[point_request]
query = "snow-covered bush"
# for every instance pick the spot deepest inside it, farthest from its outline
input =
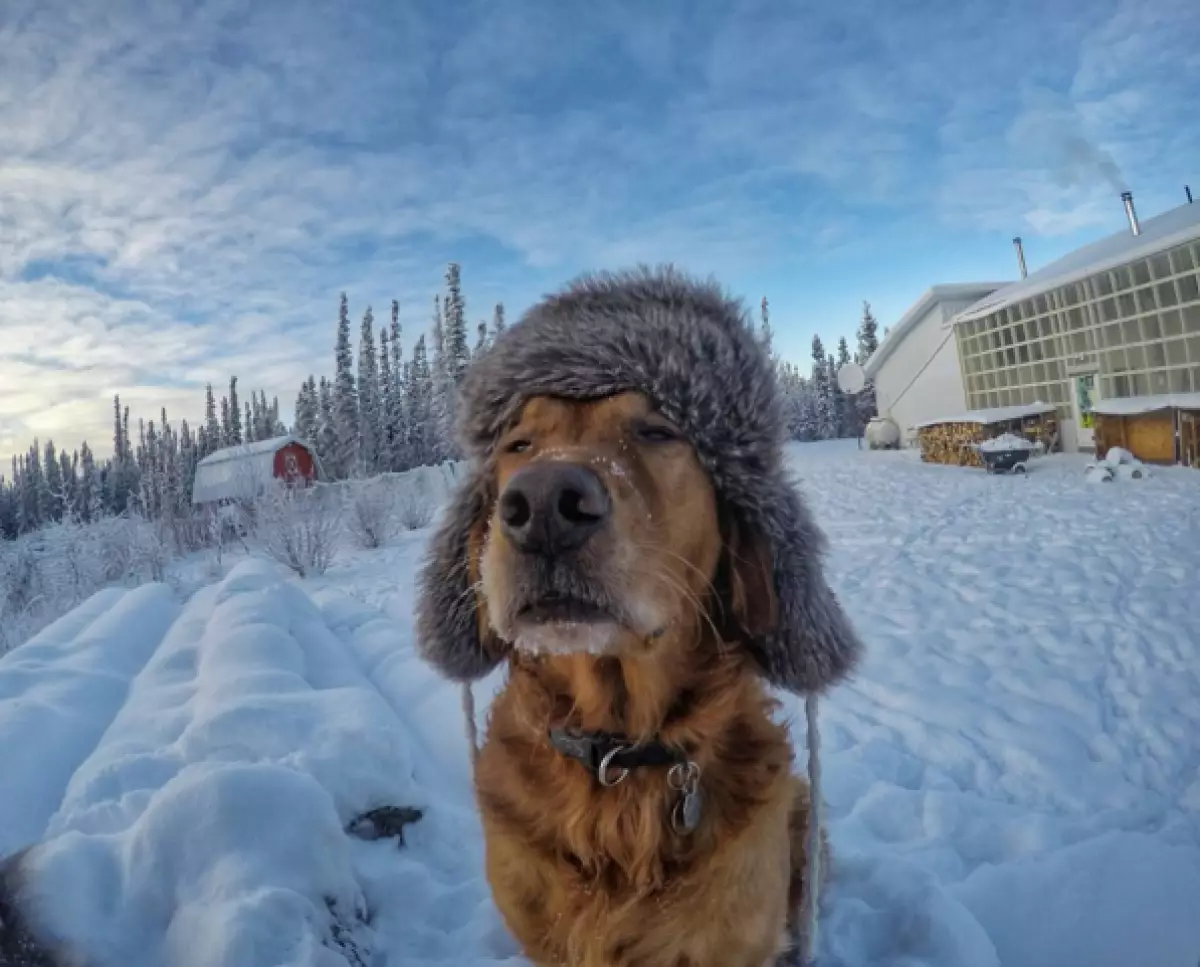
(414, 511)
(300, 527)
(371, 512)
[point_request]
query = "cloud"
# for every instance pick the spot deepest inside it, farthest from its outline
(184, 189)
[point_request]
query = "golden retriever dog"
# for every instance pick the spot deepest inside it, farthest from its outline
(627, 543)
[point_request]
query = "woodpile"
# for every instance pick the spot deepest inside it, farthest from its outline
(951, 443)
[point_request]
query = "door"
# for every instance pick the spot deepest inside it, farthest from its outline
(1085, 419)
(1189, 439)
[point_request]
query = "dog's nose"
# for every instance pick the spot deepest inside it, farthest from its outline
(553, 506)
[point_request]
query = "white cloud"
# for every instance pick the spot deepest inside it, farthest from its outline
(211, 175)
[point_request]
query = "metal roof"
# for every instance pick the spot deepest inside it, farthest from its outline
(1171, 228)
(240, 472)
(1001, 414)
(931, 297)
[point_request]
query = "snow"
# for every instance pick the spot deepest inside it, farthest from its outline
(1000, 414)
(1135, 405)
(1011, 779)
(1006, 441)
(1167, 230)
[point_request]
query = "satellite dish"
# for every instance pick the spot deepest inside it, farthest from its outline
(851, 379)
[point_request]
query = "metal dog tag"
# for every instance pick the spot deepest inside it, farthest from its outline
(685, 815)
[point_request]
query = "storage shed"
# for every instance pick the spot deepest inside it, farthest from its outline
(1155, 429)
(243, 472)
(949, 440)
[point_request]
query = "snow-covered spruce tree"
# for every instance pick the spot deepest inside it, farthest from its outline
(826, 424)
(397, 453)
(838, 399)
(419, 408)
(457, 347)
(51, 496)
(345, 400)
(251, 422)
(441, 392)
(481, 341)
(868, 342)
(89, 503)
(212, 428)
(235, 415)
(765, 335)
(369, 417)
(326, 441)
(226, 426)
(849, 409)
(498, 323)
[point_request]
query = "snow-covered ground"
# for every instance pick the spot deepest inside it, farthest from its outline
(1013, 778)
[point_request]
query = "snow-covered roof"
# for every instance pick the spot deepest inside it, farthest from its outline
(239, 472)
(1001, 414)
(1132, 405)
(1171, 228)
(931, 297)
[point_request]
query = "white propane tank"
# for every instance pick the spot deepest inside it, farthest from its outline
(882, 433)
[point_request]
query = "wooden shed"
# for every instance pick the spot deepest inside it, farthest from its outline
(1155, 429)
(949, 440)
(243, 472)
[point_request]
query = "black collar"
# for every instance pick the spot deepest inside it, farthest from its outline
(611, 755)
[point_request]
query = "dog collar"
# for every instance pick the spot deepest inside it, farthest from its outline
(611, 755)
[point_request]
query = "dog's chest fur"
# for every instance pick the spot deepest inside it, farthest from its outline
(597, 877)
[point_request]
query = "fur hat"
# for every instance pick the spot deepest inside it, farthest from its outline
(691, 349)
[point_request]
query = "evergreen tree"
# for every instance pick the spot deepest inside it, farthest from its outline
(456, 347)
(226, 425)
(387, 415)
(864, 402)
(212, 429)
(327, 439)
(90, 496)
(419, 408)
(765, 335)
(51, 497)
(440, 416)
(397, 454)
(369, 420)
(481, 341)
(824, 414)
(251, 422)
(498, 323)
(235, 414)
(345, 400)
(848, 413)
(838, 399)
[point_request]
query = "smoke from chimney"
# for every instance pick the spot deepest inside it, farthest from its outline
(1020, 256)
(1131, 212)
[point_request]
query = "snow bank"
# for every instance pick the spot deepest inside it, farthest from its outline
(207, 824)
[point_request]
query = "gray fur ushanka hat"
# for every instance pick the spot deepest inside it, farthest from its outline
(691, 350)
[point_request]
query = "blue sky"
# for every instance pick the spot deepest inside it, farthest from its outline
(186, 187)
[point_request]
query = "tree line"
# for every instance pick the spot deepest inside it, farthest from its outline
(379, 412)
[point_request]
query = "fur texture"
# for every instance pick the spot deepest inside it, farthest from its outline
(688, 347)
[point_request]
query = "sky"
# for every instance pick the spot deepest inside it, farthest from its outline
(186, 188)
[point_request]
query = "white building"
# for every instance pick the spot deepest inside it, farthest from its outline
(916, 368)
(1116, 319)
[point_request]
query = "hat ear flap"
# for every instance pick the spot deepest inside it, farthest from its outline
(789, 618)
(453, 631)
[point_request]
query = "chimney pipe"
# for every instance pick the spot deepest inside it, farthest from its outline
(1188, 191)
(1127, 197)
(1020, 256)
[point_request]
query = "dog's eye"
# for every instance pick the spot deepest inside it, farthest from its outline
(517, 446)
(656, 433)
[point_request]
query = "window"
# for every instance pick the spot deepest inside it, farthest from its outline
(1121, 386)
(1141, 273)
(1189, 288)
(1116, 360)
(1179, 381)
(1191, 318)
(1123, 278)
(1193, 348)
(1126, 305)
(1135, 357)
(1155, 354)
(1161, 266)
(1166, 294)
(1101, 284)
(1176, 352)
(1131, 331)
(1112, 335)
(1158, 381)
(1040, 303)
(1023, 353)
(1181, 260)
(1108, 310)
(1172, 322)
(1150, 327)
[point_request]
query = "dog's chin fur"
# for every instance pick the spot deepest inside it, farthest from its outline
(568, 637)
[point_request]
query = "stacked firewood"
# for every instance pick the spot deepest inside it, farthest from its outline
(950, 443)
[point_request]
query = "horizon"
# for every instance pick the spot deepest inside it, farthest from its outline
(184, 193)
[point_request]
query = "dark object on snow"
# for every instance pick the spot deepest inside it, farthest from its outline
(691, 350)
(384, 823)
(18, 948)
(1004, 461)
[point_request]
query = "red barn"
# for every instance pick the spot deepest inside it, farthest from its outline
(243, 472)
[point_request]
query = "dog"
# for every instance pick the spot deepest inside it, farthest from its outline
(627, 544)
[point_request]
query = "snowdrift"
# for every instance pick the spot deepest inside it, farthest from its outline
(1011, 777)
